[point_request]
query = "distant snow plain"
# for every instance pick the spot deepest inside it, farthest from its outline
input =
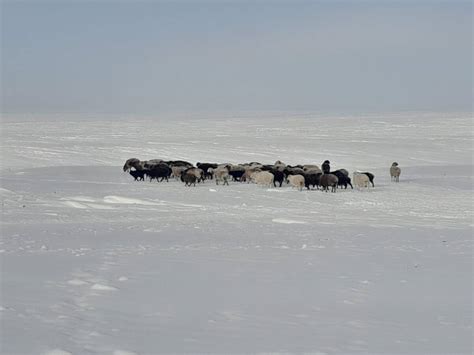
(95, 263)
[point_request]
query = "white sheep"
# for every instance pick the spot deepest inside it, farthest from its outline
(395, 172)
(296, 181)
(248, 173)
(263, 178)
(360, 180)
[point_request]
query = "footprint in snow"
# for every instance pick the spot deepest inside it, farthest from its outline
(287, 221)
(57, 352)
(77, 282)
(124, 352)
(100, 287)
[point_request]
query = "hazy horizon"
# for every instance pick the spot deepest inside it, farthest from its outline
(152, 57)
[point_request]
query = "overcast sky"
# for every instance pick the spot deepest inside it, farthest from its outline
(153, 56)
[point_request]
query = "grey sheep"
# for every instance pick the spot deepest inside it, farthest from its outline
(395, 172)
(327, 180)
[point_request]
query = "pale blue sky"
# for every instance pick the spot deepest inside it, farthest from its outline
(152, 56)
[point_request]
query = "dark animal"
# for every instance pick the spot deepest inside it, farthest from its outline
(325, 167)
(151, 164)
(267, 167)
(295, 166)
(131, 163)
(179, 163)
(162, 171)
(278, 176)
(328, 180)
(197, 172)
(312, 179)
(138, 174)
(236, 174)
(205, 167)
(343, 179)
(188, 179)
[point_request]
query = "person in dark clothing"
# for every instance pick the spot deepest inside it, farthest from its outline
(325, 167)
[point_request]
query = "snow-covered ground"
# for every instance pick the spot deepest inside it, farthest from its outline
(95, 263)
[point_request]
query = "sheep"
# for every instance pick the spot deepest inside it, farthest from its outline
(179, 163)
(267, 167)
(205, 167)
(344, 171)
(176, 171)
(312, 179)
(138, 174)
(155, 161)
(297, 181)
(221, 174)
(395, 172)
(361, 180)
(162, 171)
(278, 176)
(370, 176)
(279, 165)
(292, 171)
(151, 164)
(248, 172)
(344, 179)
(198, 173)
(327, 180)
(311, 169)
(237, 174)
(189, 179)
(142, 165)
(326, 167)
(263, 178)
(131, 163)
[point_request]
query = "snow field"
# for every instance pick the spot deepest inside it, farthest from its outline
(93, 262)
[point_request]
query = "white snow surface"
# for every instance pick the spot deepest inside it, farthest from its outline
(96, 263)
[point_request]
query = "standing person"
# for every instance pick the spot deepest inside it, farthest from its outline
(325, 167)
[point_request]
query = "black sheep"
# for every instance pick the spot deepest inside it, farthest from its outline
(312, 179)
(162, 171)
(344, 180)
(179, 163)
(266, 167)
(278, 176)
(326, 167)
(236, 174)
(205, 167)
(138, 174)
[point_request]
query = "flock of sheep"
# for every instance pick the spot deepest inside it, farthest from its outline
(298, 176)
